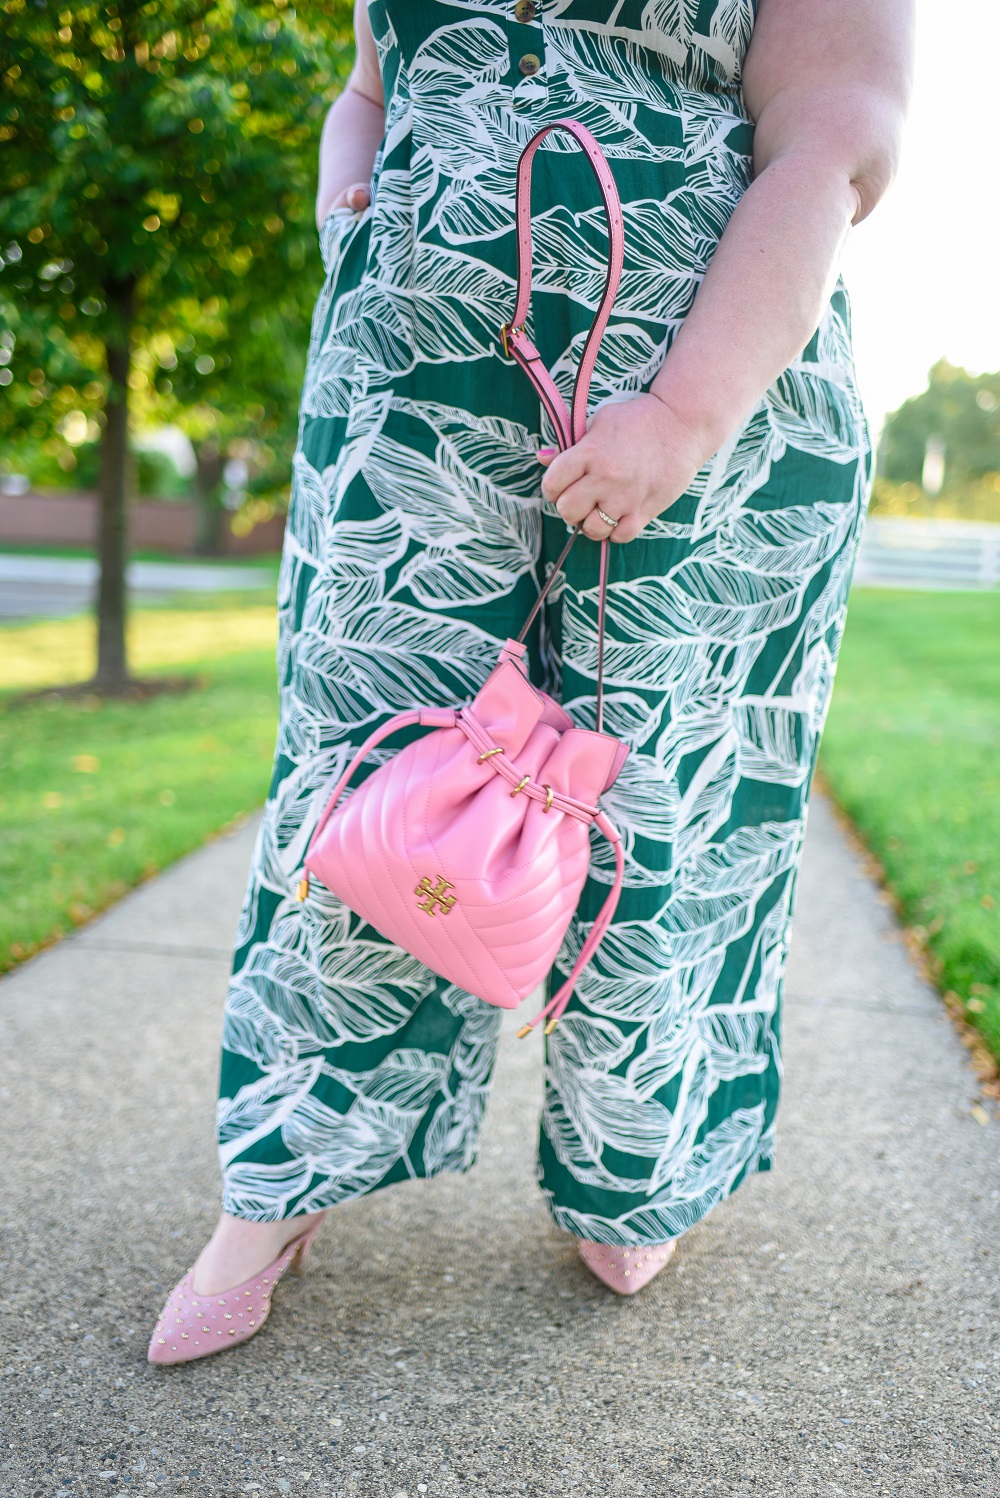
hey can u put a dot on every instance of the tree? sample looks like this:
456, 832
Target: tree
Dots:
154, 155
229, 377
960, 411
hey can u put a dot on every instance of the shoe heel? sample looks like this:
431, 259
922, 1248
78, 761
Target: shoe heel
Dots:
301, 1255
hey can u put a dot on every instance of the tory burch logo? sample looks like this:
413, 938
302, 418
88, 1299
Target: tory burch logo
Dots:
434, 897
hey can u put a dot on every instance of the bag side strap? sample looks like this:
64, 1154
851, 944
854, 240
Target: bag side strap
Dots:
423, 717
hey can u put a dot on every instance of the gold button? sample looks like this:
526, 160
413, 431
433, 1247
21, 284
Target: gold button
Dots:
525, 10
529, 64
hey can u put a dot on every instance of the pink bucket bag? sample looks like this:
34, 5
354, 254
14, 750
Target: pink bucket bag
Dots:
471, 846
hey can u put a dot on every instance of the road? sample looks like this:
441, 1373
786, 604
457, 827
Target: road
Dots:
54, 587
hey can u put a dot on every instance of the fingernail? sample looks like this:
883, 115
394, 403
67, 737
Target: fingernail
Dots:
546, 452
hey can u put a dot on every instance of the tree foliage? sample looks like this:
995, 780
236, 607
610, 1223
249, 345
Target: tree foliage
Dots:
959, 409
157, 183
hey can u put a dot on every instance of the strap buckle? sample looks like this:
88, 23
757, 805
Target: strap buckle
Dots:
507, 331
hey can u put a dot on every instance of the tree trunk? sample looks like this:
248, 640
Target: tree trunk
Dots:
208, 511
112, 666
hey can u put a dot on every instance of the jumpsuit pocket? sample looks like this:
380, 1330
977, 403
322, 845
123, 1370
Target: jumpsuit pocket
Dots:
334, 233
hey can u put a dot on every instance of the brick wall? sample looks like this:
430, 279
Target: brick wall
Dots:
71, 520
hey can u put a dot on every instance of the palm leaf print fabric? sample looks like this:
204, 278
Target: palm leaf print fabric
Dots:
416, 542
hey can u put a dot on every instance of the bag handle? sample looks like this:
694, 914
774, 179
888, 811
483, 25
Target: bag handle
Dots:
570, 424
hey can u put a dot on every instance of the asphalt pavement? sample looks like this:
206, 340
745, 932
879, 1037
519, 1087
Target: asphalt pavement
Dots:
831, 1329
37, 587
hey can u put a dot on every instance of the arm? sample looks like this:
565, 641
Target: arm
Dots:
827, 83
353, 128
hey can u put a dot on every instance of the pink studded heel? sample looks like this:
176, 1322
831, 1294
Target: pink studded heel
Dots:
625, 1270
194, 1326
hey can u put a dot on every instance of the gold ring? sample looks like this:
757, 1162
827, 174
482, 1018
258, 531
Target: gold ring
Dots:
608, 519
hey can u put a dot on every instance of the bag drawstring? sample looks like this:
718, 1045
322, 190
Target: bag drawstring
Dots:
556, 1006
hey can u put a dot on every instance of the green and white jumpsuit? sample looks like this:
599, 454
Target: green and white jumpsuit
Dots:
416, 542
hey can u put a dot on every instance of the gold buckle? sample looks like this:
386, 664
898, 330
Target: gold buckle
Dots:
506, 330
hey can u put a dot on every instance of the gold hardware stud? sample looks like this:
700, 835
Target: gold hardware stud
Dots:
520, 785
548, 798
488, 754
432, 897
232, 1331
524, 1030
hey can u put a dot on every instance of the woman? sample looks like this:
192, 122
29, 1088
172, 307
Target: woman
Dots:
726, 456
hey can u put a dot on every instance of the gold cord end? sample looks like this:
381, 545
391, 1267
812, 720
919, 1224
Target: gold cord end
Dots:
551, 1026
302, 889
524, 1030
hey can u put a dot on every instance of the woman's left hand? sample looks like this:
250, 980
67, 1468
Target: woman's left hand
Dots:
636, 458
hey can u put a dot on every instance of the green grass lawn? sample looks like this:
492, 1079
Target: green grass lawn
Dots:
96, 796
912, 753
268, 560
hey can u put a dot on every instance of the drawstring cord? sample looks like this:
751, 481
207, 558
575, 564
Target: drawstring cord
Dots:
554, 1009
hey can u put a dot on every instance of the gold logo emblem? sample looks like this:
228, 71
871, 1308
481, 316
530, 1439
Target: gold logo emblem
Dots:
432, 897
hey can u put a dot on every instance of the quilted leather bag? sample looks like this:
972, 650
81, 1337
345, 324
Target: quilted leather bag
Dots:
470, 847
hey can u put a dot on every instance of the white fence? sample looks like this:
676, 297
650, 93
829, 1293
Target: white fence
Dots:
899, 553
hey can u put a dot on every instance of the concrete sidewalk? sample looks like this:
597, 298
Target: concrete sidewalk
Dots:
832, 1329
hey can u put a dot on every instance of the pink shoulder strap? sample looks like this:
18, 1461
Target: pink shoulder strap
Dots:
514, 340
569, 427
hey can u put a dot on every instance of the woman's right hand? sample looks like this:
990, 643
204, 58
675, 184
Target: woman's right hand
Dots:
356, 197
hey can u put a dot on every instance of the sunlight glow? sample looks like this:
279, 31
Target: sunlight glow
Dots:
922, 271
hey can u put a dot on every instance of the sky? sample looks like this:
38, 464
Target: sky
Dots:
923, 271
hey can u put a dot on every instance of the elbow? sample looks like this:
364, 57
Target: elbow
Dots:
865, 140
848, 132
873, 170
